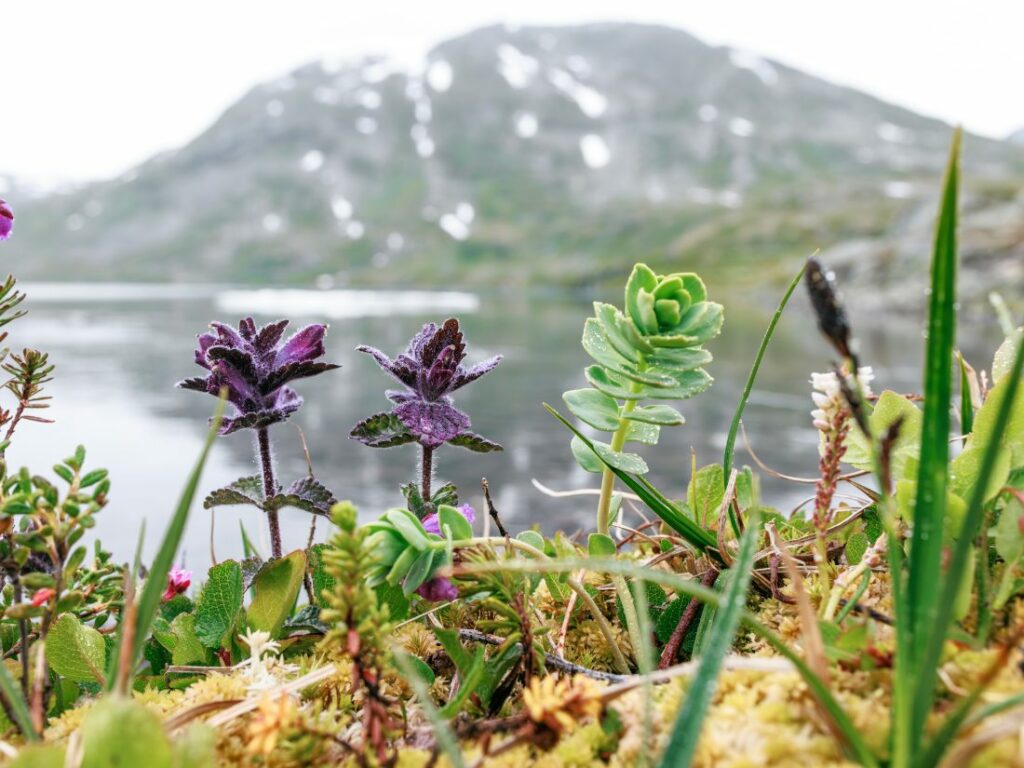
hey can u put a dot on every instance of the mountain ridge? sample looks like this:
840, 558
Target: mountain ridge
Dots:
525, 156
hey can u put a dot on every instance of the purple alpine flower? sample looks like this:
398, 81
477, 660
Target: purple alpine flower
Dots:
432, 525
438, 590
6, 219
255, 364
431, 369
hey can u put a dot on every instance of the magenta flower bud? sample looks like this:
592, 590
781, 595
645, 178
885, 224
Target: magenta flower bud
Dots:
438, 590
178, 580
6, 220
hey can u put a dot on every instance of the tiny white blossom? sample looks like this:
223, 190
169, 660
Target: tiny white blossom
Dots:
828, 397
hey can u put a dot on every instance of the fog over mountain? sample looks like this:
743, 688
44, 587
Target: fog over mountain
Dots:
539, 155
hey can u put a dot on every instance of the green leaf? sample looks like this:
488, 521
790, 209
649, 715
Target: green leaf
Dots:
642, 280
419, 571
276, 588
38, 756
382, 430
608, 349
642, 432
120, 732
245, 490
474, 442
1003, 358
322, 579
585, 456
532, 538
664, 415
450, 518
410, 528
686, 731
705, 493
219, 604
1011, 434
418, 667
889, 408
601, 544
627, 462
187, 648
856, 546
594, 408
76, 651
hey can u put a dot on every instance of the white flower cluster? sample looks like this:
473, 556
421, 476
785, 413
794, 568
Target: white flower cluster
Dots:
264, 670
828, 398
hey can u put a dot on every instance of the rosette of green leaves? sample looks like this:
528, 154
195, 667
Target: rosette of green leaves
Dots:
651, 351
406, 554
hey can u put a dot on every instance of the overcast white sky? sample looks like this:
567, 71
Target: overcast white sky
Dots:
89, 89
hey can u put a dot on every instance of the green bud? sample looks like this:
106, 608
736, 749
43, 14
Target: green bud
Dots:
344, 515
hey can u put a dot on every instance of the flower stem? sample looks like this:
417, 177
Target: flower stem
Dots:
269, 489
607, 476
426, 471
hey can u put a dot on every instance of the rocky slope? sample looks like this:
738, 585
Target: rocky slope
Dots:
529, 156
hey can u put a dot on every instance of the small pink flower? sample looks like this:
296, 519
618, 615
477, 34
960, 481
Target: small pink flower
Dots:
6, 219
178, 581
42, 596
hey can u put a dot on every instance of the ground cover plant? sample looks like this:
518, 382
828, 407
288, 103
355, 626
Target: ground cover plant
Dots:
880, 624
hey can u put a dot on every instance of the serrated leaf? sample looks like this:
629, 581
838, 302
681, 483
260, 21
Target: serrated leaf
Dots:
705, 493
276, 589
856, 546
382, 430
307, 494
594, 408
395, 600
446, 494
76, 651
219, 604
474, 442
244, 490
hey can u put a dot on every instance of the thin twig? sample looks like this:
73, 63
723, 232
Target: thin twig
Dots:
491, 511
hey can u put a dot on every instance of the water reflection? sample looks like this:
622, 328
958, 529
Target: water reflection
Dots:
120, 350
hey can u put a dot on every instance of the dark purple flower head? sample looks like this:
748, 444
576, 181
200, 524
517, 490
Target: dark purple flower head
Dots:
254, 364
6, 220
431, 369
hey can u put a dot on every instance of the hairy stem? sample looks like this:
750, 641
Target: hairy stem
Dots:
269, 488
426, 472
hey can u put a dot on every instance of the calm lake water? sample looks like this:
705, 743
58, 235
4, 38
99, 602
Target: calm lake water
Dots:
120, 349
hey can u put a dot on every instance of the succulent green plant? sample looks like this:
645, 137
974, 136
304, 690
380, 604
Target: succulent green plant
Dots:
650, 351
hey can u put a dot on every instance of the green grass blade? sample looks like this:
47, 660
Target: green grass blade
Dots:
442, 731
927, 670
16, 702
734, 427
700, 538
690, 719
156, 581
925, 561
966, 406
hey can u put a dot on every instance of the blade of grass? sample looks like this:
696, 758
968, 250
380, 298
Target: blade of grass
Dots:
966, 405
17, 705
690, 718
442, 732
853, 742
734, 427
928, 669
703, 540
156, 581
925, 561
